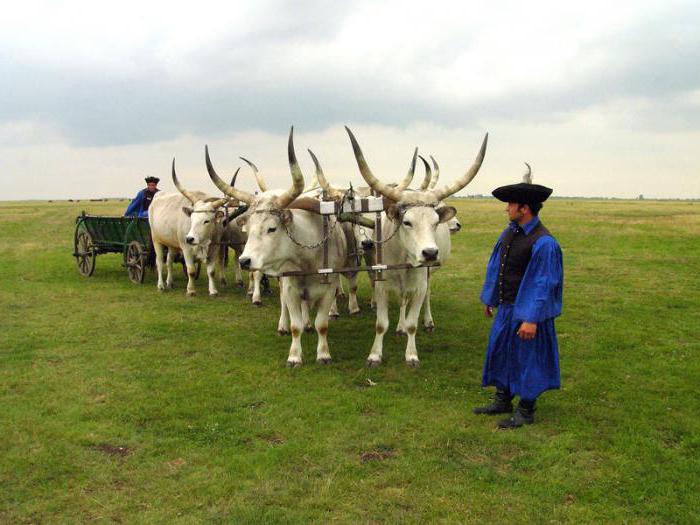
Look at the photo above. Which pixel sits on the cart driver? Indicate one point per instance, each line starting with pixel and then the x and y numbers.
pixel 139 206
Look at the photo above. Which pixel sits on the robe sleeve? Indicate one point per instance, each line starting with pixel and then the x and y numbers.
pixel 489 292
pixel 134 208
pixel 540 293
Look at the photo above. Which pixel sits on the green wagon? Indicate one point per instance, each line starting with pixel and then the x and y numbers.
pixel 129 236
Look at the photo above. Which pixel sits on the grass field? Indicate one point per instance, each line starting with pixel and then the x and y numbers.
pixel 122 404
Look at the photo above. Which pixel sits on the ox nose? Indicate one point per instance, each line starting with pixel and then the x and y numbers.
pixel 189 239
pixel 430 254
pixel 244 262
pixel 367 245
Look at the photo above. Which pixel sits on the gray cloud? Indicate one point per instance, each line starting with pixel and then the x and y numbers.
pixel 261 81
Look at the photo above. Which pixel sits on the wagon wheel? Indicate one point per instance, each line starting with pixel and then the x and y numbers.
pixel 84 253
pixel 135 260
pixel 197 266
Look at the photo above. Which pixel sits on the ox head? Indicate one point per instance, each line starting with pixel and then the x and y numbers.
pixel 204 214
pixel 268 218
pixel 417 214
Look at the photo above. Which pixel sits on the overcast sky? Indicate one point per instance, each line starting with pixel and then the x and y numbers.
pixel 601 98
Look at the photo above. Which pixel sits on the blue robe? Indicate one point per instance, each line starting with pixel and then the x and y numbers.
pixel 137 205
pixel 525 368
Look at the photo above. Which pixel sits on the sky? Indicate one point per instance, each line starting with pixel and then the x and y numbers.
pixel 600 98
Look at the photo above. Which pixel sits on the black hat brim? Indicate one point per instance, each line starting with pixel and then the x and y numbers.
pixel 523 193
pixel 152 179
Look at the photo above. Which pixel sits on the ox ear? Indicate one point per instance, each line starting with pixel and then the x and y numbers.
pixel 188 211
pixel 394 213
pixel 286 216
pixel 446 213
pixel 242 221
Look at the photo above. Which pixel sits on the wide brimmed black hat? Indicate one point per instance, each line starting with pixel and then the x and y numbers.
pixel 523 193
pixel 152 179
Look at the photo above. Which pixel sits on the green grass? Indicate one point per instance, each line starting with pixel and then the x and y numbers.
pixel 122 404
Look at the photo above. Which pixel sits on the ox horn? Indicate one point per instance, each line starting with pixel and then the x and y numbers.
pixel 435 178
pixel 322 181
pixel 261 182
pixel 182 190
pixel 527 177
pixel 465 179
pixel 387 191
pixel 235 176
pixel 411 171
pixel 428 174
pixel 297 177
pixel 225 188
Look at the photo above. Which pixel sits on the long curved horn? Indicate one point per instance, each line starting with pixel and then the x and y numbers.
pixel 219 202
pixel 434 181
pixel 182 190
pixel 375 184
pixel 261 182
pixel 411 171
pixel 225 188
pixel 323 182
pixel 527 177
pixel 297 177
pixel 465 179
pixel 306 203
pixel 235 176
pixel 428 175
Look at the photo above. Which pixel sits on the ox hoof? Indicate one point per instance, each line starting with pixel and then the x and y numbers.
pixel 161 288
pixel 356 312
pixel 215 294
pixel 429 327
pixel 168 286
pixel 239 284
pixel 371 363
pixel 257 304
pixel 324 360
pixel 308 329
pixel 413 363
pixel 341 296
pixel 282 332
pixel 293 364
pixel 191 294
pixel 334 317
pixel 400 332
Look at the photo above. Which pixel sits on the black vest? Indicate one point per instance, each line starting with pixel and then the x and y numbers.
pixel 147 199
pixel 516 250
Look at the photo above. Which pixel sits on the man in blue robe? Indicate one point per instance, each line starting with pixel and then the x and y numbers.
pixel 139 205
pixel 524 280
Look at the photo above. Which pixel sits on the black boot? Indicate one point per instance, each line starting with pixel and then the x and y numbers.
pixel 501 405
pixel 523 415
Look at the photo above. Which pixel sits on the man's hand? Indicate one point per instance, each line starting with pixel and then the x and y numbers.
pixel 527 331
pixel 488 310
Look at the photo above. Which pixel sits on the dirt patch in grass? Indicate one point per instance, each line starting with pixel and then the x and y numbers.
pixel 377 454
pixel 113 450
pixel 272 439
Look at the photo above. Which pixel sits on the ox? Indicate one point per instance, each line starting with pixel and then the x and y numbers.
pixel 414 234
pixel 190 222
pixel 277 227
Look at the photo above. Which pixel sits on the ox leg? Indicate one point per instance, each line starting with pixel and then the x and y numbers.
pixel 256 278
pixel 283 324
pixel 382 324
pixel 294 303
pixel 305 317
pixel 411 324
pixel 353 306
pixel 428 323
pixel 401 325
pixel 323 354
pixel 169 265
pixel 221 264
pixel 158 248
pixel 212 264
pixel 191 271
pixel 237 269
pixel 333 312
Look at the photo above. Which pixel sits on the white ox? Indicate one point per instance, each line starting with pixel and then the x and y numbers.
pixel 275 225
pixel 190 222
pixel 413 235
